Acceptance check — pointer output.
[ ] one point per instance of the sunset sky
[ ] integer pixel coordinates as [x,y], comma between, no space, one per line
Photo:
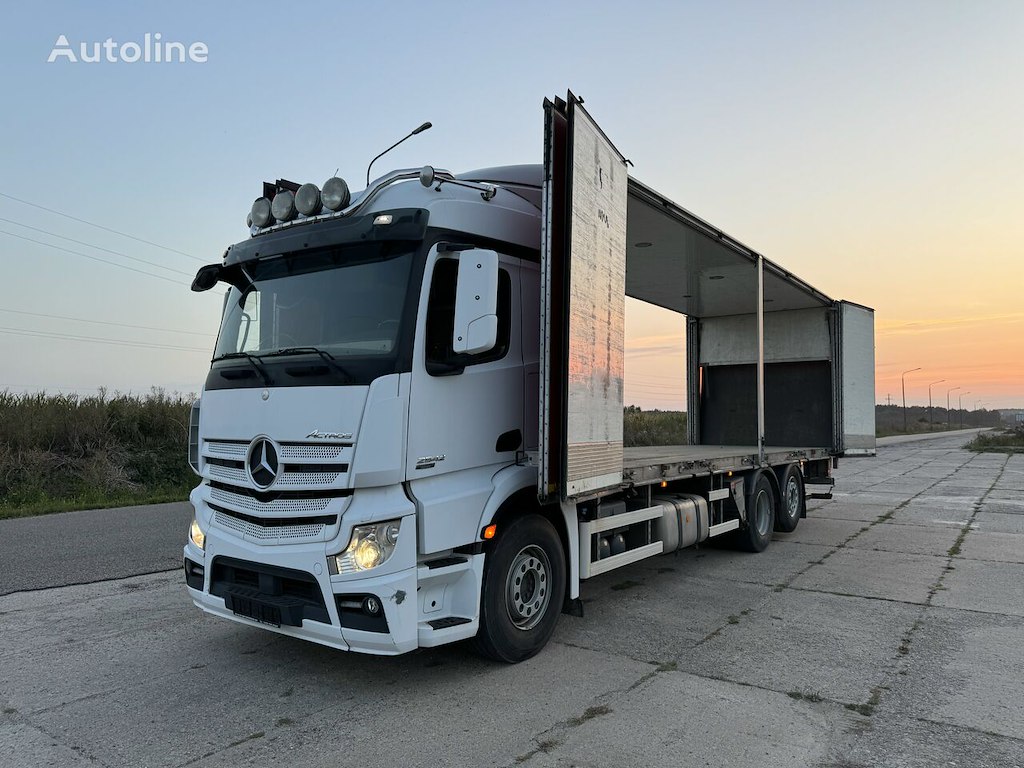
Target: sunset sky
[875,149]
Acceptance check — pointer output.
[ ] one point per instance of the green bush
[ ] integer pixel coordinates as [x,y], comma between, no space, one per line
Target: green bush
[65,451]
[1010,440]
[652,427]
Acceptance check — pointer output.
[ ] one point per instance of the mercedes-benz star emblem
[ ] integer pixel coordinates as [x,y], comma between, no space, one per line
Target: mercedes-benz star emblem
[262,462]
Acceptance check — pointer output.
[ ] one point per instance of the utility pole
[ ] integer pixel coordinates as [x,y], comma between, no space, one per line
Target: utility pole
[954,389]
[903,381]
[930,423]
[961,408]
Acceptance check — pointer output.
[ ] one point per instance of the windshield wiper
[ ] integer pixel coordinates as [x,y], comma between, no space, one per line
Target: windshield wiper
[252,361]
[324,355]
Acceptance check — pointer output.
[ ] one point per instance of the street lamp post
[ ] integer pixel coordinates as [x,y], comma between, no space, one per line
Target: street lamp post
[961,407]
[948,420]
[930,423]
[903,381]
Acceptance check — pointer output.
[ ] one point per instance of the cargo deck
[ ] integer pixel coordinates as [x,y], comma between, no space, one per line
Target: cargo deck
[650,464]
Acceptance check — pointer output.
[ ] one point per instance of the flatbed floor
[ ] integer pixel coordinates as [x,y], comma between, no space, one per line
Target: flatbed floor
[648,464]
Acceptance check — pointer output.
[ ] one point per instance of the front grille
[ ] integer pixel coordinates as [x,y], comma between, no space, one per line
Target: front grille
[227,447]
[309,478]
[276,528]
[229,474]
[312,451]
[289,594]
[274,506]
[314,466]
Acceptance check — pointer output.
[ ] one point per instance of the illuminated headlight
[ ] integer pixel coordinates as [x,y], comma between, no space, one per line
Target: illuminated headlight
[283,206]
[369,547]
[307,200]
[195,533]
[335,195]
[260,213]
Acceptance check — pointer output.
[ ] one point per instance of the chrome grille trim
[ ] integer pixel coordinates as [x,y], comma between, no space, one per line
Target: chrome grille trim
[308,478]
[230,474]
[262,533]
[314,452]
[225,448]
[274,507]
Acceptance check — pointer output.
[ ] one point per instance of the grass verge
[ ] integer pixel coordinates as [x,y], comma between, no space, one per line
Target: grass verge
[1002,441]
[67,452]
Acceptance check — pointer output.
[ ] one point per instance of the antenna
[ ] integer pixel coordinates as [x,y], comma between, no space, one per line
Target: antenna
[421,129]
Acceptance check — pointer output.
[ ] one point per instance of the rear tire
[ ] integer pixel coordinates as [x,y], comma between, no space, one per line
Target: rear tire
[791,508]
[522,592]
[755,535]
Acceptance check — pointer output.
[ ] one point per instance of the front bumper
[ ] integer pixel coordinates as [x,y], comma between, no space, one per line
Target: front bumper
[319,610]
[285,586]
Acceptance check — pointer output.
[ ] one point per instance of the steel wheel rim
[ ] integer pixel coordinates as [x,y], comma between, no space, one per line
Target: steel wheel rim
[528,587]
[762,513]
[792,498]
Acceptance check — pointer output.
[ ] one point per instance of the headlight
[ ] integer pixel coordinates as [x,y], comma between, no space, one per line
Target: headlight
[369,547]
[196,534]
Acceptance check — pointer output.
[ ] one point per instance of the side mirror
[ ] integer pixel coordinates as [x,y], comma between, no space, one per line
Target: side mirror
[476,303]
[206,278]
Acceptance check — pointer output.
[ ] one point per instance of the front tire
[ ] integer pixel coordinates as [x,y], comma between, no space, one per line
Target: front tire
[754,537]
[792,506]
[523,587]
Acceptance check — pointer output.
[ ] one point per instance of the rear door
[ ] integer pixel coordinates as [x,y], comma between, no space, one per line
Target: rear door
[583,275]
[854,379]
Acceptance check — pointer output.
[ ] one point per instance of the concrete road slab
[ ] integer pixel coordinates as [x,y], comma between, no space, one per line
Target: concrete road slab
[912,539]
[963,670]
[680,719]
[849,510]
[885,575]
[25,746]
[984,586]
[1001,547]
[776,565]
[937,513]
[898,741]
[997,522]
[656,617]
[826,532]
[1005,506]
[808,644]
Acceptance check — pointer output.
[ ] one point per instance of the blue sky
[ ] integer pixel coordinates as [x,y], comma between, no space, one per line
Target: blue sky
[873,148]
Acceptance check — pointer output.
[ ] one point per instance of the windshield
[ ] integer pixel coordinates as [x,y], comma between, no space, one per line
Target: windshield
[347,301]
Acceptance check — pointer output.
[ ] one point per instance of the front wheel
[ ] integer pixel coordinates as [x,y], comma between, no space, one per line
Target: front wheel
[521,597]
[755,535]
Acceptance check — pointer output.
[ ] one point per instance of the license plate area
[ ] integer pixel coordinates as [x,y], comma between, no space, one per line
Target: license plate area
[257,610]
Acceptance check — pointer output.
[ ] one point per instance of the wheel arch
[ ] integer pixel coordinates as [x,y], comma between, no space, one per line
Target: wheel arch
[515,494]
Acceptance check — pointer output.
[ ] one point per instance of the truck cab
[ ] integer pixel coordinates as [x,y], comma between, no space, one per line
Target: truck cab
[351,450]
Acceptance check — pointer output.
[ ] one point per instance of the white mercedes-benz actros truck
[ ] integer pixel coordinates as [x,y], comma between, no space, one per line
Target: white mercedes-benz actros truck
[411,430]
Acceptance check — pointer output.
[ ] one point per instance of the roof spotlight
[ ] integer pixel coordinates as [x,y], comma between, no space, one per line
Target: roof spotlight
[283,206]
[336,194]
[307,200]
[260,214]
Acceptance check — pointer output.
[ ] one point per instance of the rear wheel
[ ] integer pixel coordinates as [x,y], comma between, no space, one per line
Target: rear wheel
[754,537]
[521,597]
[792,507]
